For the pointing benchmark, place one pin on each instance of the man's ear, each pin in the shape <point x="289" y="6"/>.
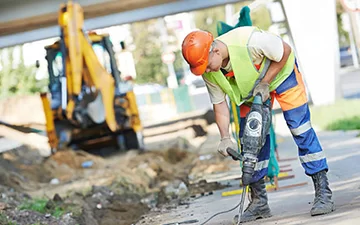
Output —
<point x="216" y="50"/>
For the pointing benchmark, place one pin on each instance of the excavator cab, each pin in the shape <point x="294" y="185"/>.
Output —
<point x="101" y="45"/>
<point x="86" y="127"/>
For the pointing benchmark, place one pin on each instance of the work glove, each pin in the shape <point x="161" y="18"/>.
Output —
<point x="263" y="89"/>
<point x="226" y="143"/>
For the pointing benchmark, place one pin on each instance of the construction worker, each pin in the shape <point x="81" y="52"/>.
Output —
<point x="241" y="63"/>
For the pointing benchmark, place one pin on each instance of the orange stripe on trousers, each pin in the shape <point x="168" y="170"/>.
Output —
<point x="295" y="96"/>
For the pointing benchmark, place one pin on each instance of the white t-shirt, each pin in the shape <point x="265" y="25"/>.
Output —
<point x="261" y="44"/>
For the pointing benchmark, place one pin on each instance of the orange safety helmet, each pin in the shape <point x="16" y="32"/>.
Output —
<point x="195" y="49"/>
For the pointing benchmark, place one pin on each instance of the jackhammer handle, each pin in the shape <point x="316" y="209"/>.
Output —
<point x="234" y="154"/>
<point x="266" y="103"/>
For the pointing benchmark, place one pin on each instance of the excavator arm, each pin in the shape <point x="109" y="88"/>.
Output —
<point x="79" y="54"/>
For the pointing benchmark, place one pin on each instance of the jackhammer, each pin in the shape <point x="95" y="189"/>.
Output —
<point x="257" y="126"/>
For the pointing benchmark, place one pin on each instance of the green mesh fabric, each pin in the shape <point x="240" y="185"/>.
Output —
<point x="244" y="20"/>
<point x="273" y="168"/>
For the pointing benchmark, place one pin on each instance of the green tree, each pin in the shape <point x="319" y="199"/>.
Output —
<point x="179" y="62"/>
<point x="343" y="35"/>
<point x="206" y="19"/>
<point x="15" y="77"/>
<point x="147" y="53"/>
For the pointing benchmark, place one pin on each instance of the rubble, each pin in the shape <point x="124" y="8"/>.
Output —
<point x="11" y="202"/>
<point x="107" y="207"/>
<point x="209" y="164"/>
<point x="113" y="190"/>
<point x="25" y="217"/>
<point x="177" y="189"/>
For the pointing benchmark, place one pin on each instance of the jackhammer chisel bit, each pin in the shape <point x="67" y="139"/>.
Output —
<point x="257" y="125"/>
<point x="237" y="156"/>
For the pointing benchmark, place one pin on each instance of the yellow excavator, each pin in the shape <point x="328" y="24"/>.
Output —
<point x="89" y="106"/>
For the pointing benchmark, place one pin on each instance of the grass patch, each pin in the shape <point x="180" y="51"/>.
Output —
<point x="43" y="206"/>
<point x="345" y="124"/>
<point x="342" y="115"/>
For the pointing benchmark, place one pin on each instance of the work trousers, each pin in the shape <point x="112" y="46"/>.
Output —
<point x="292" y="98"/>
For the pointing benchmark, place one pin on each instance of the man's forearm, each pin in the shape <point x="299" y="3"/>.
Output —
<point x="222" y="118"/>
<point x="276" y="67"/>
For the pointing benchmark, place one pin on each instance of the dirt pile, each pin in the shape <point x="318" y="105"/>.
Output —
<point x="208" y="164"/>
<point x="101" y="206"/>
<point x="22" y="169"/>
<point x="75" y="159"/>
<point x="101" y="191"/>
<point x="163" y="166"/>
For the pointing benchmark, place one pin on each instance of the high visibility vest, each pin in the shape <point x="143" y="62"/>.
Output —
<point x="239" y="88"/>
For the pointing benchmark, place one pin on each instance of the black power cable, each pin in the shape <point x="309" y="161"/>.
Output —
<point x="227" y="211"/>
<point x="219" y="213"/>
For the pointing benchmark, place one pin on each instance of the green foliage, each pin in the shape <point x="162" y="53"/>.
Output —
<point x="15" y="77"/>
<point x="38" y="205"/>
<point x="42" y="206"/>
<point x="148" y="46"/>
<point x="352" y="123"/>
<point x="179" y="61"/>
<point x="342" y="115"/>
<point x="147" y="55"/>
<point x="206" y="19"/>
<point x="343" y="35"/>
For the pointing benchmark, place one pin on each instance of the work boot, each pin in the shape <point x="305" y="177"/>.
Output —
<point x="322" y="202"/>
<point x="258" y="207"/>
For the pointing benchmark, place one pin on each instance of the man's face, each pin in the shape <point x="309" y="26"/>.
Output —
<point x="215" y="60"/>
